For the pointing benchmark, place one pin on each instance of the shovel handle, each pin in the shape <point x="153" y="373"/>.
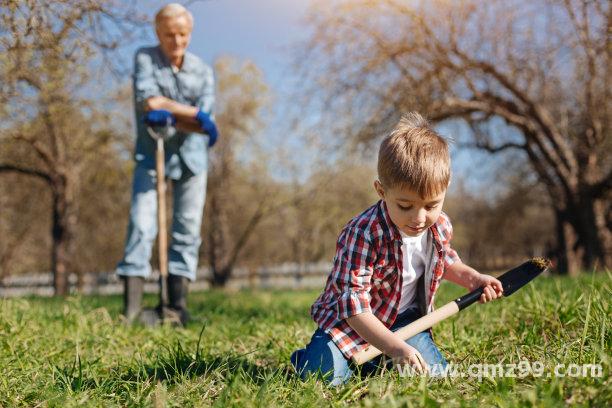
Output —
<point x="410" y="330"/>
<point x="162" y="236"/>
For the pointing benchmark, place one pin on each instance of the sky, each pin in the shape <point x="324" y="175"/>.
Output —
<point x="266" y="32"/>
<point x="263" y="31"/>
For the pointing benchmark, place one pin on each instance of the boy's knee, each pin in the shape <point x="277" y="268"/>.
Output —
<point x="325" y="367"/>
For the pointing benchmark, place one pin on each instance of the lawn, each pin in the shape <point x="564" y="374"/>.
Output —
<point x="76" y="352"/>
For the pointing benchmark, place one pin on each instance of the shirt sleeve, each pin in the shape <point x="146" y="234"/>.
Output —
<point x="450" y="255"/>
<point x="353" y="268"/>
<point x="145" y="84"/>
<point x="206" y="101"/>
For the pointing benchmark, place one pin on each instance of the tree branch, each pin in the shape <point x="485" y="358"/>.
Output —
<point x="603" y="187"/>
<point x="9" y="168"/>
<point x="493" y="149"/>
<point x="457" y="107"/>
<point x="541" y="116"/>
<point x="40" y="149"/>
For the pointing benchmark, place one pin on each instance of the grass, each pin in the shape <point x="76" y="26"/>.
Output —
<point x="76" y="352"/>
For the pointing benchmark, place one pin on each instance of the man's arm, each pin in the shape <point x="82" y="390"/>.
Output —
<point x="145" y="84"/>
<point x="185" y="114"/>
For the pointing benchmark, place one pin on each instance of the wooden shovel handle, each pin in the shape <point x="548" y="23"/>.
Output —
<point x="162" y="236"/>
<point x="410" y="330"/>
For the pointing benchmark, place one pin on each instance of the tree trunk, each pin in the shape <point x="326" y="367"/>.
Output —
<point x="583" y="240"/>
<point x="220" y="277"/>
<point x="61" y="232"/>
<point x="567" y="257"/>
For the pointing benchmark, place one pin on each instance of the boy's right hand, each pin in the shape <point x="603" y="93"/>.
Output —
<point x="410" y="355"/>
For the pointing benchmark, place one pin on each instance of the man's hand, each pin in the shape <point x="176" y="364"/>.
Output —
<point x="492" y="288"/>
<point x="410" y="355"/>
<point x="159" y="118"/>
<point x="208" y="126"/>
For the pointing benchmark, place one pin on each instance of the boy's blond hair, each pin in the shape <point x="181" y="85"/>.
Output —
<point x="414" y="156"/>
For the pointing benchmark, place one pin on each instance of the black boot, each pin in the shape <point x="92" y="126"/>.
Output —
<point x="133" y="287"/>
<point x="177" y="296"/>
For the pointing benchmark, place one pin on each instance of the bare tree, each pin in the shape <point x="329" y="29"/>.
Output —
<point x="47" y="52"/>
<point x="533" y="76"/>
<point x="240" y="195"/>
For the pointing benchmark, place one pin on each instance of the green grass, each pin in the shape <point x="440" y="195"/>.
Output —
<point x="76" y="352"/>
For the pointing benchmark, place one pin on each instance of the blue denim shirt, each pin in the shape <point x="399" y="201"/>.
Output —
<point x="192" y="85"/>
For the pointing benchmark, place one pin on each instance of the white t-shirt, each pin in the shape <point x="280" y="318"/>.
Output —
<point x="414" y="250"/>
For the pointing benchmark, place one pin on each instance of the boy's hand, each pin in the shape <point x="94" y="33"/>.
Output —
<point x="492" y="288"/>
<point x="410" y="355"/>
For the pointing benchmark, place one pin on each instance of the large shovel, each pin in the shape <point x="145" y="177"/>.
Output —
<point x="162" y="314"/>
<point x="511" y="281"/>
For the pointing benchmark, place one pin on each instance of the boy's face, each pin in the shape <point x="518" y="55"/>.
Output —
<point x="410" y="213"/>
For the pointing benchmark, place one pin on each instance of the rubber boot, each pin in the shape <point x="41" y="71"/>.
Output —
<point x="133" y="287"/>
<point x="177" y="296"/>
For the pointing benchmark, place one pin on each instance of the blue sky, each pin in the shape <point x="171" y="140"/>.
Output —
<point x="263" y="31"/>
<point x="266" y="32"/>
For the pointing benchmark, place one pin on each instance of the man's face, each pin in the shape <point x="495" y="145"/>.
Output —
<point x="174" y="34"/>
<point x="411" y="213"/>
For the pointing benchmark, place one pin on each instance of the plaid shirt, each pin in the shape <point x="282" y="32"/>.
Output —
<point x="366" y="276"/>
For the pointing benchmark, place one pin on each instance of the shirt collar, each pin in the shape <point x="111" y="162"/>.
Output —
<point x="391" y="232"/>
<point x="435" y="235"/>
<point x="186" y="67"/>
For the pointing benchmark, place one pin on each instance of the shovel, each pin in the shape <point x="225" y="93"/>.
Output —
<point x="162" y="314"/>
<point x="511" y="281"/>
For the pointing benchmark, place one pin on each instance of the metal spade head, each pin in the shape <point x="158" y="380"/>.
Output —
<point x="163" y="133"/>
<point x="518" y="277"/>
<point x="159" y="316"/>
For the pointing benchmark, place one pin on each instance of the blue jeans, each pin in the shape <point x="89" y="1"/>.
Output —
<point x="189" y="193"/>
<point x="322" y="356"/>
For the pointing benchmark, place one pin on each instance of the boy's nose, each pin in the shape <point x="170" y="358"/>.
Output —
<point x="420" y="216"/>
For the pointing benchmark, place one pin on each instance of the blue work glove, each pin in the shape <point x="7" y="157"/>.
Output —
<point x="208" y="126"/>
<point x="159" y="118"/>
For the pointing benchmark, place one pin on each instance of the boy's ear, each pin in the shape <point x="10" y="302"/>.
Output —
<point x="379" y="189"/>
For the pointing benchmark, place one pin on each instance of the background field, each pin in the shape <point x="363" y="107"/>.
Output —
<point x="76" y="352"/>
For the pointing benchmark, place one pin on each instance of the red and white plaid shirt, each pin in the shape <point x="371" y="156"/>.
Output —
<point x="367" y="274"/>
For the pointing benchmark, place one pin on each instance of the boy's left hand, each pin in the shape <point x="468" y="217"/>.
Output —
<point x="492" y="288"/>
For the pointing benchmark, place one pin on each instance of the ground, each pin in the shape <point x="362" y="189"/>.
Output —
<point x="77" y="352"/>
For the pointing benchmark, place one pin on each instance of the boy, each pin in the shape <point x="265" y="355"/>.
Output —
<point x="389" y="263"/>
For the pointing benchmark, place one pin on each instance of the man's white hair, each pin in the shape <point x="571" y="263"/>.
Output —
<point x="173" y="10"/>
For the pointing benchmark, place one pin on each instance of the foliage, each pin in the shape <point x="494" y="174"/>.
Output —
<point x="529" y="76"/>
<point x="50" y="131"/>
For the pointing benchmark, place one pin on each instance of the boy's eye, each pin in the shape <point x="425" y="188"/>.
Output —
<point x="430" y="207"/>
<point x="404" y="208"/>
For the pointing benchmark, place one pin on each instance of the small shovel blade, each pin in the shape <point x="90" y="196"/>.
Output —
<point x="518" y="277"/>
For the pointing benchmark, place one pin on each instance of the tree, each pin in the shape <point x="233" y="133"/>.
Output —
<point x="49" y="127"/>
<point x="532" y="76"/>
<point x="335" y="194"/>
<point x="240" y="192"/>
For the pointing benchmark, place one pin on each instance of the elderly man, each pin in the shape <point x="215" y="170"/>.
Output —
<point x="174" y="82"/>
